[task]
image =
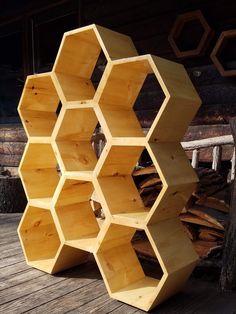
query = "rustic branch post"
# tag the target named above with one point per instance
(195, 158)
(228, 272)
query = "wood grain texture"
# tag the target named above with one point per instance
(81, 289)
(60, 171)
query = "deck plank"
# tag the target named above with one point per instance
(101, 304)
(45, 289)
(80, 296)
(12, 270)
(81, 289)
(19, 278)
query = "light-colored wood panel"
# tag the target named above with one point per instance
(38, 105)
(77, 57)
(38, 171)
(39, 235)
(59, 224)
(118, 160)
(171, 163)
(74, 215)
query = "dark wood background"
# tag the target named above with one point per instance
(31, 31)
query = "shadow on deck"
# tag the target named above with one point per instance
(81, 289)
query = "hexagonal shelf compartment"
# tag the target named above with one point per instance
(72, 139)
(224, 52)
(178, 179)
(120, 87)
(77, 57)
(123, 273)
(38, 105)
(74, 213)
(120, 197)
(38, 171)
(41, 244)
(190, 35)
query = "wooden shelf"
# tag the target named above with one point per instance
(39, 236)
(223, 54)
(78, 55)
(121, 269)
(38, 171)
(86, 243)
(59, 228)
(72, 136)
(38, 105)
(138, 293)
(74, 213)
(190, 35)
(41, 202)
(120, 196)
(117, 93)
(126, 279)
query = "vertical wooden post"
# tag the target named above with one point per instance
(195, 158)
(228, 272)
(216, 158)
(233, 163)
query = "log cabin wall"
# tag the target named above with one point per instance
(30, 33)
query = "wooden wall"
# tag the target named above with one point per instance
(149, 23)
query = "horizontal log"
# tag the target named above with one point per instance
(10, 160)
(208, 142)
(12, 148)
(209, 94)
(198, 132)
(206, 115)
(12, 134)
(13, 170)
(214, 114)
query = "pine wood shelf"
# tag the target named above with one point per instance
(72, 135)
(41, 243)
(38, 105)
(78, 55)
(74, 213)
(60, 170)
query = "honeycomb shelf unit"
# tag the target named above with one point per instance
(60, 170)
(223, 54)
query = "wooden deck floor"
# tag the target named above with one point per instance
(81, 289)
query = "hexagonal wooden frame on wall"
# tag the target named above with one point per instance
(220, 47)
(59, 228)
(180, 23)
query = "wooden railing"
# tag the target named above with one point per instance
(216, 143)
(195, 146)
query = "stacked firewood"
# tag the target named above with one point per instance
(204, 217)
